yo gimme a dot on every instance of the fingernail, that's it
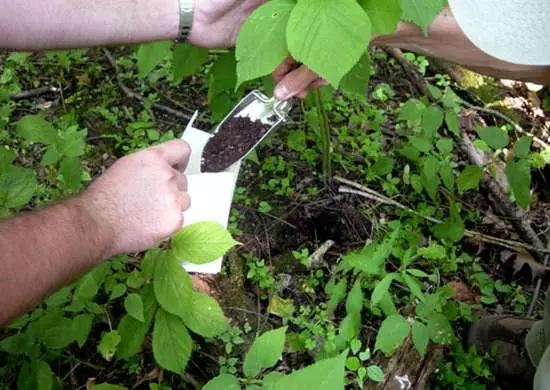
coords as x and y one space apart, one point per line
281 92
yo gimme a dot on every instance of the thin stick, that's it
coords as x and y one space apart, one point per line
134 95
505 118
32 92
515 245
538 286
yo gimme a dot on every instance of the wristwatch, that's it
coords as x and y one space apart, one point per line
186 19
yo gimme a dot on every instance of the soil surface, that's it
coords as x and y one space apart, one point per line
232 141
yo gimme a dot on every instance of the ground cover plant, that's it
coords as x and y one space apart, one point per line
360 243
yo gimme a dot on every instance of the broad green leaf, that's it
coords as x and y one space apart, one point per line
172 344
421 12
447 175
375 373
519 177
187 60
383 166
432 119
53 329
107 386
89 284
108 344
36 129
36 375
451 120
453 231
381 289
172 285
350 326
354 301
205 317
17 344
51 156
433 252
469 178
134 306
149 55
72 144
357 79
384 15
118 290
421 144
261 44
328 36
336 294
353 363
392 333
440 329
132 332
420 337
411 112
17 187
6 158
445 145
202 242
493 136
81 327
222 78
522 147
265 351
413 285
327 374
71 169
223 382
429 176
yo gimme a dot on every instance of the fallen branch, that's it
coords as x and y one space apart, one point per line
410 70
33 92
316 258
136 96
373 195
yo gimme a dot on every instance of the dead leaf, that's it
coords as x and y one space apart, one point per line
463 293
520 260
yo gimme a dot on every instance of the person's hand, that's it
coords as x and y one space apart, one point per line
293 80
216 23
139 201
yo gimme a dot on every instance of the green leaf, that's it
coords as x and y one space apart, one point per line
384 15
261 44
440 329
328 36
71 169
429 177
350 326
519 177
433 252
354 301
432 119
453 231
445 145
51 156
420 337
81 327
34 128
411 111
522 147
382 166
493 136
223 77
202 242
206 317
223 382
149 55
451 120
108 386
6 158
118 290
265 351
72 144
421 12
381 289
17 344
413 285
392 333
17 187
357 79
132 332
447 175
134 306
108 344
172 285
353 363
187 60
172 344
56 331
327 374
469 178
36 375
375 373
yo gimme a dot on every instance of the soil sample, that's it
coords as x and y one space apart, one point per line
233 140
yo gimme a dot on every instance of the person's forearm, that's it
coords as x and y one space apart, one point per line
43 250
63 24
446 40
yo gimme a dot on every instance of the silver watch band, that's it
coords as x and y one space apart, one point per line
186 19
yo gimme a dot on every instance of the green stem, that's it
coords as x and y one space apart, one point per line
325 133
